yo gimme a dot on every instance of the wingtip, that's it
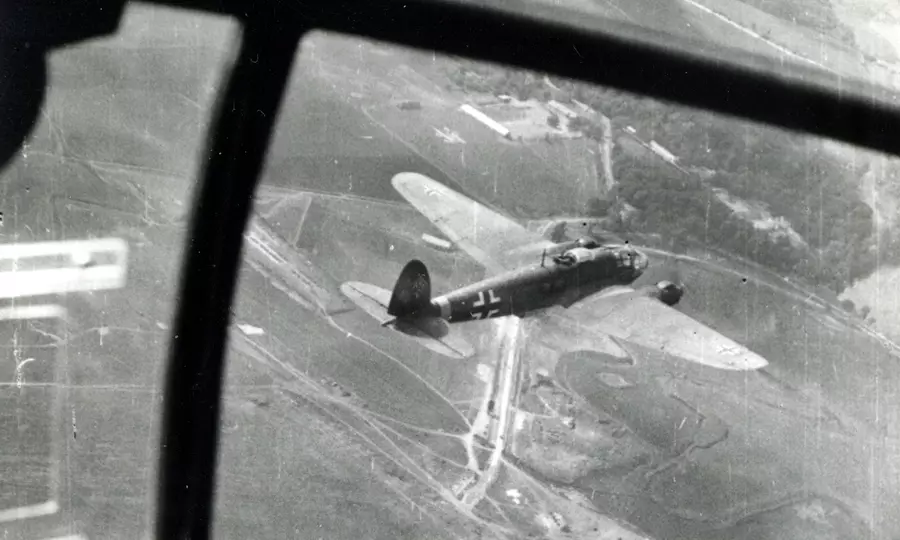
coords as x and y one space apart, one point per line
736 358
749 361
351 287
758 362
403 179
399 179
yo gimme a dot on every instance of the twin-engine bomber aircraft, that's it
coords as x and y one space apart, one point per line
584 283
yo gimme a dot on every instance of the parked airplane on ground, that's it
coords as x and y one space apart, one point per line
528 275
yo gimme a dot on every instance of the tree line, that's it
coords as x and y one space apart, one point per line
682 206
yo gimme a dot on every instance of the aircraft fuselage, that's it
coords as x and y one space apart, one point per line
539 286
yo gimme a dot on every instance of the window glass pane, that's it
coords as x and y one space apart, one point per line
93 222
609 412
857 41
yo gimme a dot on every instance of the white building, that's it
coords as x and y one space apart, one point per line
437 243
485 119
662 152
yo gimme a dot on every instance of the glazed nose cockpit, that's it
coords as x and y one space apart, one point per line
622 262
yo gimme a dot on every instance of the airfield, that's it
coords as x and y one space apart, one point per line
335 428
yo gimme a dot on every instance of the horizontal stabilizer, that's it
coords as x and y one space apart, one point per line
371 299
436 334
432 333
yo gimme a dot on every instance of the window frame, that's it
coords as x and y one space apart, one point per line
523 34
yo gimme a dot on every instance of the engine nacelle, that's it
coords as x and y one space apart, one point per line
669 293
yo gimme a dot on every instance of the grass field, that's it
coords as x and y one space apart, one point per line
307 478
821 49
816 15
560 172
665 17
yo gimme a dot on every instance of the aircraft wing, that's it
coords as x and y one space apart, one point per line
485 235
641 320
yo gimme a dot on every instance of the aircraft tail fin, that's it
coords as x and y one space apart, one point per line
412 292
